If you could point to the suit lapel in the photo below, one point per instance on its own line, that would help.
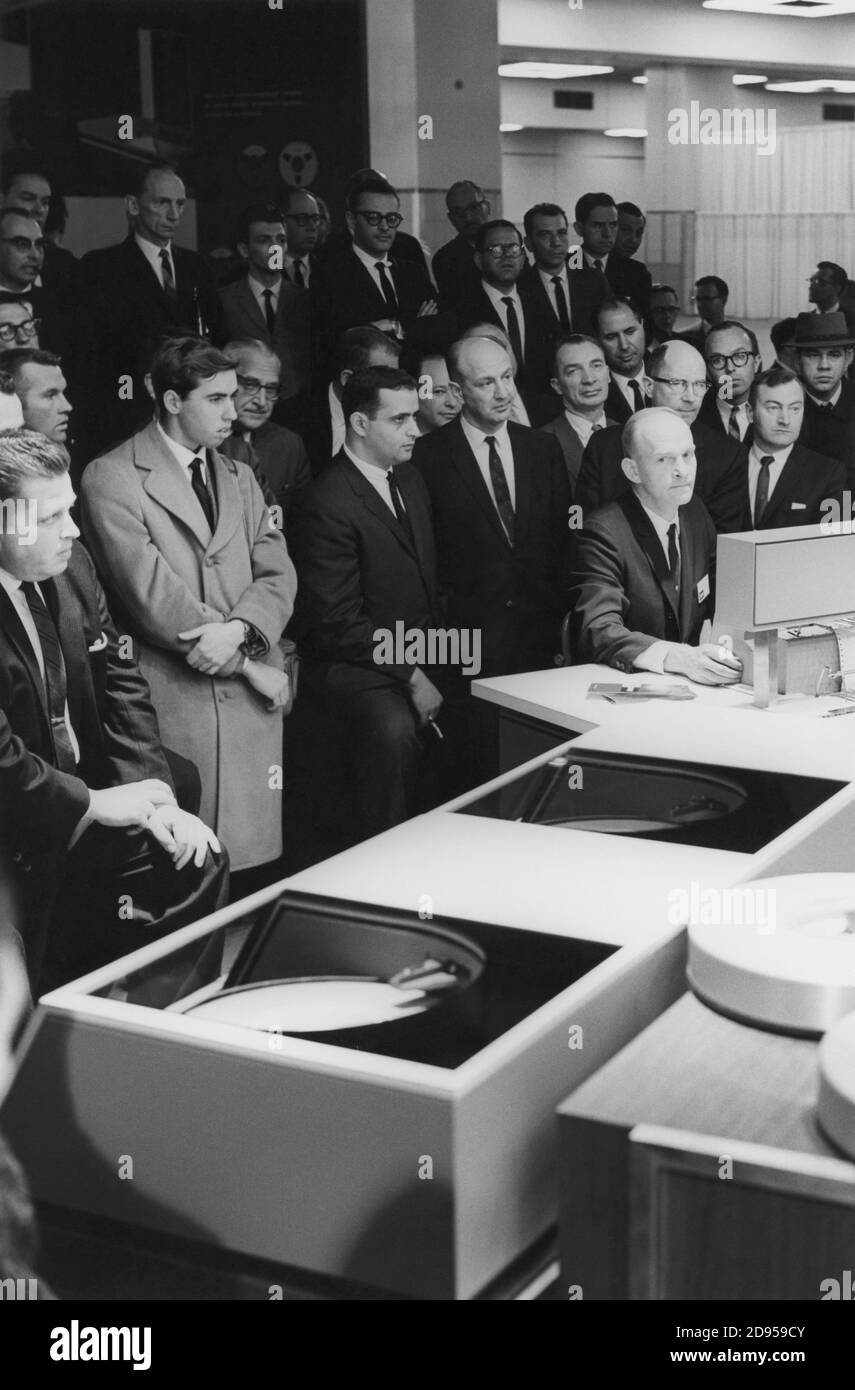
(522, 480)
(687, 575)
(786, 487)
(65, 611)
(650, 543)
(16, 634)
(164, 482)
(230, 512)
(375, 504)
(467, 466)
(251, 306)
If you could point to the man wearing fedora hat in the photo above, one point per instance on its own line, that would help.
(824, 349)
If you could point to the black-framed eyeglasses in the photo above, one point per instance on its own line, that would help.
(23, 243)
(28, 329)
(376, 219)
(719, 360)
(254, 387)
(679, 383)
(499, 252)
(304, 219)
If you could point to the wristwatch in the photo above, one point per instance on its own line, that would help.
(253, 644)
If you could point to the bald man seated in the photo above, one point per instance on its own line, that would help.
(643, 582)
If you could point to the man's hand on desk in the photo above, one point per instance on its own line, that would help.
(708, 664)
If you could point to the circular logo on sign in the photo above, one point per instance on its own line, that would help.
(298, 164)
(255, 166)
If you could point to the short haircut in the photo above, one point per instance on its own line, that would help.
(656, 360)
(362, 390)
(370, 185)
(139, 176)
(781, 333)
(838, 276)
(355, 346)
(632, 209)
(542, 210)
(17, 212)
(257, 212)
(8, 297)
(588, 201)
(413, 358)
(26, 454)
(237, 348)
(574, 340)
(17, 163)
(733, 323)
(16, 358)
(616, 302)
(454, 353)
(773, 376)
(718, 284)
(180, 364)
(659, 288)
(490, 227)
(464, 183)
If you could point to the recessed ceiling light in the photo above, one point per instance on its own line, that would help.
(641, 81)
(627, 132)
(815, 84)
(742, 79)
(786, 9)
(507, 126)
(552, 71)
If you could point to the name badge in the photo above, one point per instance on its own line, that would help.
(703, 588)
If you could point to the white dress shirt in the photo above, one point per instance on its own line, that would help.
(152, 255)
(184, 457)
(724, 408)
(476, 439)
(755, 454)
(375, 475)
(653, 659)
(22, 608)
(832, 400)
(622, 383)
(259, 290)
(370, 263)
(583, 427)
(495, 297)
(547, 276)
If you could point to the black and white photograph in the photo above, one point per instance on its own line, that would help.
(427, 630)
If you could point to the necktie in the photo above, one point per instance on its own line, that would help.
(674, 556)
(269, 311)
(168, 277)
(387, 288)
(597, 427)
(501, 492)
(298, 276)
(514, 329)
(733, 423)
(637, 393)
(762, 495)
(398, 503)
(202, 491)
(561, 303)
(55, 680)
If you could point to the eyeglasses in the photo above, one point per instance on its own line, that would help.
(304, 219)
(499, 252)
(719, 360)
(679, 383)
(250, 384)
(23, 244)
(704, 298)
(375, 219)
(28, 329)
(482, 205)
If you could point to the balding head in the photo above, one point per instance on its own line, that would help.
(680, 362)
(496, 335)
(659, 460)
(484, 374)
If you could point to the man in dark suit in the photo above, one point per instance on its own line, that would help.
(662, 315)
(644, 566)
(264, 304)
(627, 276)
(363, 283)
(523, 315)
(454, 268)
(596, 225)
(787, 484)
(619, 327)
(27, 187)
(827, 291)
(732, 355)
(582, 381)
(356, 349)
(678, 382)
(365, 555)
(710, 300)
(80, 752)
(303, 224)
(570, 296)
(824, 344)
(138, 291)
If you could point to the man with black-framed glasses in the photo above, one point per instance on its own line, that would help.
(18, 327)
(453, 264)
(732, 355)
(530, 327)
(303, 224)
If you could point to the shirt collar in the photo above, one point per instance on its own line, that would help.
(581, 424)
(475, 435)
(496, 296)
(660, 525)
(832, 400)
(152, 252)
(363, 464)
(779, 455)
(180, 452)
(9, 582)
(370, 262)
(258, 289)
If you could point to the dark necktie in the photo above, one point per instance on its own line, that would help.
(269, 311)
(514, 329)
(202, 491)
(398, 503)
(601, 270)
(762, 494)
(674, 556)
(561, 303)
(501, 492)
(637, 393)
(597, 427)
(55, 680)
(298, 276)
(168, 277)
(733, 423)
(387, 288)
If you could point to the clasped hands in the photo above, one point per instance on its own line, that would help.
(150, 805)
(216, 653)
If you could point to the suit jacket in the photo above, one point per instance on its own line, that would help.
(113, 719)
(292, 329)
(516, 594)
(346, 295)
(455, 272)
(165, 573)
(720, 481)
(807, 481)
(617, 406)
(278, 458)
(586, 295)
(623, 598)
(571, 445)
(629, 279)
(829, 432)
(709, 416)
(361, 571)
(130, 310)
(540, 330)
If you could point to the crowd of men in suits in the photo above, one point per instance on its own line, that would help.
(342, 439)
